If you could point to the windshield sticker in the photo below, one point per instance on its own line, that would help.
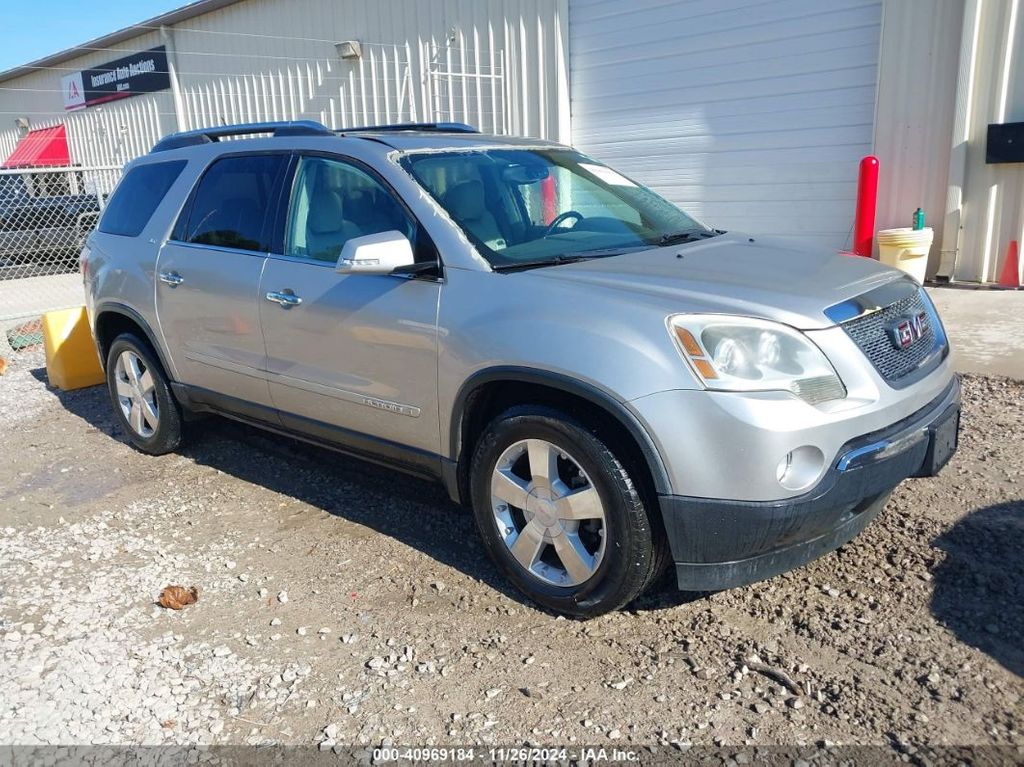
(607, 175)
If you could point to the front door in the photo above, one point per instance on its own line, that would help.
(208, 278)
(354, 356)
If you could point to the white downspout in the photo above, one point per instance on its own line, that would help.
(172, 72)
(563, 64)
(951, 224)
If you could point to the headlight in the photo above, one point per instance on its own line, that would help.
(745, 354)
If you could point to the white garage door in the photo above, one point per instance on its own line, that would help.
(751, 115)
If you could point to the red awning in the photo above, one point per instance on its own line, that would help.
(43, 148)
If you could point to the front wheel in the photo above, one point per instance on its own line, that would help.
(560, 514)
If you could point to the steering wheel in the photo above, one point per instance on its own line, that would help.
(560, 218)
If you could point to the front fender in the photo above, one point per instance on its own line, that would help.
(596, 344)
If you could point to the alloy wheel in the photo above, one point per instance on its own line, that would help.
(548, 513)
(136, 394)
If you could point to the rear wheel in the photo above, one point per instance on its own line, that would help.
(141, 396)
(560, 514)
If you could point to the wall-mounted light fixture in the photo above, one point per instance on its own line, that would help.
(349, 49)
(23, 125)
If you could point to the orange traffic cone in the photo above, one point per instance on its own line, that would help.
(1010, 276)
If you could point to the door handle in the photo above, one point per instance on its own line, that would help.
(171, 278)
(285, 298)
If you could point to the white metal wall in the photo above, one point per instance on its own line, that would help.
(993, 195)
(276, 60)
(751, 115)
(914, 118)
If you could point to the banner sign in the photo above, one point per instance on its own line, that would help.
(142, 72)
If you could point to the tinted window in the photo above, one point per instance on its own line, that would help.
(233, 205)
(136, 197)
(334, 201)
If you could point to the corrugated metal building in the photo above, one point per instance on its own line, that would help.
(499, 64)
(754, 115)
(751, 115)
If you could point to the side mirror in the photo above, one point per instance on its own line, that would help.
(380, 253)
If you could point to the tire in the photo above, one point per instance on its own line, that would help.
(157, 428)
(522, 518)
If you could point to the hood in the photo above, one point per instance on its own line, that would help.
(735, 274)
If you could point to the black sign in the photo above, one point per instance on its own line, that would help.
(143, 72)
(1005, 143)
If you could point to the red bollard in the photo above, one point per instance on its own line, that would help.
(549, 202)
(867, 201)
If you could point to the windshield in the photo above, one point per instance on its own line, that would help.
(539, 206)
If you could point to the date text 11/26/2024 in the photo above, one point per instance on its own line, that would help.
(493, 754)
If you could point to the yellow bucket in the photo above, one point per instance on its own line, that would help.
(71, 358)
(906, 249)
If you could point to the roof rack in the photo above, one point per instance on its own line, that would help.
(210, 135)
(430, 127)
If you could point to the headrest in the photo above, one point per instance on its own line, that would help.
(325, 211)
(465, 201)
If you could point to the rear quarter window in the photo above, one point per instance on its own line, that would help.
(132, 204)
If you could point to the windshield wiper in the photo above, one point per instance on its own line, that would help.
(556, 261)
(686, 235)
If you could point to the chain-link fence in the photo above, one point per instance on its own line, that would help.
(45, 216)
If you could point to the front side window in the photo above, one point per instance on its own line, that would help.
(233, 206)
(538, 206)
(334, 201)
(136, 197)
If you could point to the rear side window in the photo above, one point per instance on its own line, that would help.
(132, 204)
(233, 206)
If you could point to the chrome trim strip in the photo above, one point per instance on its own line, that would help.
(874, 451)
(389, 406)
(883, 448)
(217, 248)
(856, 453)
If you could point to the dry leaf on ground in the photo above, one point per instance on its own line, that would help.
(176, 597)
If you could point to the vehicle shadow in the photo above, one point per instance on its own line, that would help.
(979, 587)
(416, 512)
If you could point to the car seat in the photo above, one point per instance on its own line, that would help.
(466, 203)
(327, 231)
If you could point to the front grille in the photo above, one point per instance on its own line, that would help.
(871, 333)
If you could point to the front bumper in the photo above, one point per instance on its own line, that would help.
(719, 544)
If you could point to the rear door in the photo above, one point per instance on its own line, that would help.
(208, 277)
(351, 354)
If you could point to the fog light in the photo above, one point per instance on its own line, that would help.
(799, 468)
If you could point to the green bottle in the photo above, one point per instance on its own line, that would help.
(918, 219)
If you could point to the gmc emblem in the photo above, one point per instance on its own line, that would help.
(907, 330)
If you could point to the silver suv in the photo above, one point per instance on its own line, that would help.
(609, 384)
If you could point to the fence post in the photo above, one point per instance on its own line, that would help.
(172, 73)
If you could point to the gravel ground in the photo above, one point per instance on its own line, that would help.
(340, 603)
